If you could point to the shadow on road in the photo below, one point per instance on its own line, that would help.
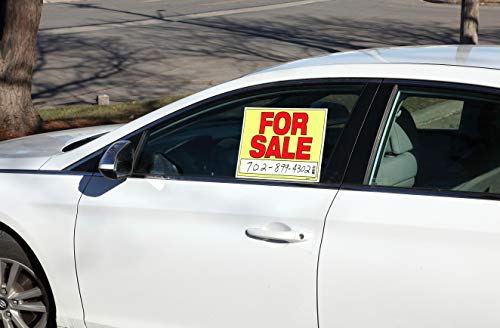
(186, 56)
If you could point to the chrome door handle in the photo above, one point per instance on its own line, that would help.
(276, 232)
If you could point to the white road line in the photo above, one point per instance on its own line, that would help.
(59, 1)
(146, 22)
(225, 2)
(252, 9)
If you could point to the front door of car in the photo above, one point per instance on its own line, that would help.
(170, 246)
(413, 237)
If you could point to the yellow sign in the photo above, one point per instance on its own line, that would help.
(282, 144)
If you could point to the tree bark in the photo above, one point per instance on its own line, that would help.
(469, 25)
(19, 21)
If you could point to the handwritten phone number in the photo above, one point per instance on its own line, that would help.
(282, 168)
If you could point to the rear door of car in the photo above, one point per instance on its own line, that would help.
(183, 243)
(413, 236)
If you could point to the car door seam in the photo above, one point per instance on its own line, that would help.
(319, 256)
(74, 248)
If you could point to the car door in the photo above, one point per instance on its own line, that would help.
(413, 236)
(183, 243)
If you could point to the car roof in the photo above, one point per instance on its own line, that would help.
(450, 55)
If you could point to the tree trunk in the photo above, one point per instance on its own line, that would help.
(19, 21)
(469, 24)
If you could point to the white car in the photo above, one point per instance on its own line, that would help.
(385, 214)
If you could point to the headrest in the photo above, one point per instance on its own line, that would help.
(399, 142)
(337, 113)
(489, 123)
(469, 121)
(406, 121)
(225, 157)
(480, 120)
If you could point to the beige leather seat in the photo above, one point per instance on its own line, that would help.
(398, 167)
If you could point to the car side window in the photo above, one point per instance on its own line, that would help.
(205, 142)
(441, 140)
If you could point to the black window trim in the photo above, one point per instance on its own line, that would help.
(358, 173)
(370, 91)
(380, 133)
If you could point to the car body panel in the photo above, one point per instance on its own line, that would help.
(30, 153)
(460, 55)
(41, 209)
(173, 253)
(403, 260)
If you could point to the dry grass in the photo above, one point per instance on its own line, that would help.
(84, 115)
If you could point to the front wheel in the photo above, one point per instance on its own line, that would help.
(24, 297)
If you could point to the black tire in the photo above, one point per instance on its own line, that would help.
(10, 249)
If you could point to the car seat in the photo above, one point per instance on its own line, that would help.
(224, 158)
(398, 166)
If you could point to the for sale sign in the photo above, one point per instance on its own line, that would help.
(282, 144)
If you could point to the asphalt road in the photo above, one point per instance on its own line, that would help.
(135, 49)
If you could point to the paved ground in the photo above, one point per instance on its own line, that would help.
(135, 49)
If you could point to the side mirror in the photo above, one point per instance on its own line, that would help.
(117, 162)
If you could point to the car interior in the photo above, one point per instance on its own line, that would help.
(463, 159)
(208, 146)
